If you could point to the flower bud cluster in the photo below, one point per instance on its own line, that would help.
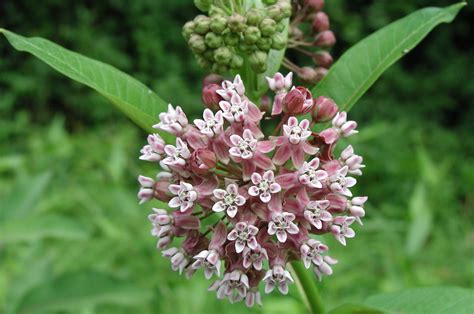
(315, 43)
(221, 41)
(244, 205)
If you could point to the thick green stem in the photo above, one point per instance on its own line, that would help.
(306, 284)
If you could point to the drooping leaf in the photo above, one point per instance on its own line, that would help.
(133, 98)
(87, 289)
(426, 300)
(37, 227)
(355, 72)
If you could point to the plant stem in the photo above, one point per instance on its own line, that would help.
(307, 287)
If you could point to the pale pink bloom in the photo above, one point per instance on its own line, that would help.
(264, 186)
(340, 128)
(325, 267)
(352, 161)
(309, 174)
(281, 224)
(254, 257)
(311, 252)
(230, 200)
(230, 88)
(212, 124)
(341, 228)
(209, 261)
(280, 83)
(178, 259)
(234, 286)
(293, 143)
(162, 223)
(174, 121)
(146, 191)
(176, 156)
(160, 217)
(154, 150)
(355, 207)
(244, 235)
(277, 277)
(316, 213)
(185, 196)
(243, 147)
(253, 296)
(339, 183)
(236, 109)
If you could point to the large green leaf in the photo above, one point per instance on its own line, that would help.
(133, 98)
(353, 74)
(73, 292)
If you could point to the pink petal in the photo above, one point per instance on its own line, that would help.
(297, 156)
(282, 154)
(281, 236)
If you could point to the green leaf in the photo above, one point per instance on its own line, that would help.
(426, 300)
(354, 73)
(36, 227)
(72, 292)
(133, 98)
(352, 308)
(421, 220)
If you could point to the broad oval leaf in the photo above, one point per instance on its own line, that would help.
(133, 98)
(353, 74)
(426, 300)
(76, 291)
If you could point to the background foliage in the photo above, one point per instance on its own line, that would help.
(69, 218)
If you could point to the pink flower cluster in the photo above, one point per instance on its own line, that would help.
(245, 204)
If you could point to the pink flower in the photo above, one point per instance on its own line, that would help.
(253, 296)
(310, 176)
(254, 257)
(244, 235)
(178, 259)
(277, 277)
(230, 200)
(173, 121)
(212, 124)
(355, 207)
(185, 196)
(234, 286)
(243, 147)
(340, 128)
(311, 252)
(210, 261)
(146, 190)
(341, 230)
(176, 156)
(264, 186)
(280, 83)
(316, 213)
(352, 161)
(325, 267)
(236, 109)
(298, 101)
(230, 88)
(154, 150)
(281, 224)
(339, 183)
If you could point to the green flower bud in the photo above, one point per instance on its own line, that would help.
(251, 35)
(203, 5)
(196, 43)
(188, 29)
(286, 8)
(248, 48)
(214, 10)
(258, 61)
(269, 2)
(223, 55)
(203, 62)
(254, 16)
(264, 43)
(236, 23)
(218, 24)
(279, 41)
(202, 25)
(213, 40)
(267, 27)
(274, 12)
(236, 62)
(219, 68)
(280, 27)
(209, 55)
(231, 39)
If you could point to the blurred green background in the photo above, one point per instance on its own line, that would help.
(72, 235)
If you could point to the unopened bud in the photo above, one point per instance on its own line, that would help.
(265, 103)
(269, 2)
(236, 62)
(324, 109)
(308, 75)
(258, 61)
(278, 41)
(222, 55)
(210, 97)
(299, 100)
(196, 43)
(323, 59)
(231, 39)
(202, 160)
(203, 62)
(202, 25)
(188, 29)
(325, 39)
(264, 43)
(286, 8)
(320, 22)
(254, 16)
(320, 73)
(315, 5)
(296, 33)
(267, 27)
(275, 12)
(219, 68)
(251, 35)
(213, 40)
(215, 10)
(236, 23)
(218, 24)
(212, 79)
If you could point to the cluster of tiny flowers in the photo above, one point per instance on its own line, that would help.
(244, 204)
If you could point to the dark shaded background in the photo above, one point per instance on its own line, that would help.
(64, 152)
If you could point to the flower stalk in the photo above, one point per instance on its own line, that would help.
(307, 288)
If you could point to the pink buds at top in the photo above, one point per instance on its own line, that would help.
(324, 109)
(174, 121)
(210, 97)
(323, 59)
(280, 83)
(264, 186)
(325, 39)
(281, 224)
(320, 22)
(277, 277)
(298, 101)
(229, 200)
(316, 5)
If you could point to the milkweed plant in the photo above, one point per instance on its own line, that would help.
(247, 190)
